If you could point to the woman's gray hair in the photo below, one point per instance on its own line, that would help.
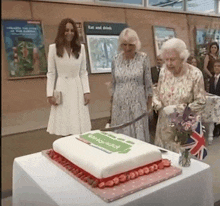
(130, 36)
(177, 44)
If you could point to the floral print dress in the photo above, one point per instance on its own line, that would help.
(132, 85)
(175, 92)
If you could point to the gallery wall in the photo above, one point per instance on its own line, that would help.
(24, 105)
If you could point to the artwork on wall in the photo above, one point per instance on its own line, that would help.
(102, 49)
(102, 44)
(24, 46)
(162, 34)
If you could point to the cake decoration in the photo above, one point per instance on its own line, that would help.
(111, 165)
(108, 142)
(110, 181)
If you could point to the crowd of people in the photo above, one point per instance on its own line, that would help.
(137, 87)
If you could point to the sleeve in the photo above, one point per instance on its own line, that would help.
(147, 77)
(113, 76)
(211, 86)
(199, 94)
(83, 72)
(113, 88)
(156, 102)
(51, 73)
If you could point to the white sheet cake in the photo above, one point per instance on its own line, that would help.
(104, 154)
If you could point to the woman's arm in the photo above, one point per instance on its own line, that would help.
(83, 72)
(84, 77)
(113, 83)
(199, 94)
(148, 82)
(113, 77)
(206, 61)
(51, 73)
(156, 102)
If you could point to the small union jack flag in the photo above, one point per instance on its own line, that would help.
(196, 143)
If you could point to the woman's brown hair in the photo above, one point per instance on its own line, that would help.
(60, 39)
(216, 44)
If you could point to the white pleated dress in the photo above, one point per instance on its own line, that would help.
(68, 75)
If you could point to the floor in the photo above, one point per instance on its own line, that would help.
(31, 142)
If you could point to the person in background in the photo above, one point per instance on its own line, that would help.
(67, 73)
(131, 86)
(155, 71)
(215, 89)
(193, 61)
(179, 84)
(213, 54)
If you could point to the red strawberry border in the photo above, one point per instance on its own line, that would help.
(108, 193)
(110, 181)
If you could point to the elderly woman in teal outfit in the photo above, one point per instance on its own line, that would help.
(179, 83)
(132, 86)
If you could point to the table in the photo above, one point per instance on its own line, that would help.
(38, 182)
(211, 114)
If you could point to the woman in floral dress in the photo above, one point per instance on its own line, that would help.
(132, 86)
(179, 83)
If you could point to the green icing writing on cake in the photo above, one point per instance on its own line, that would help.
(121, 139)
(130, 142)
(109, 135)
(107, 142)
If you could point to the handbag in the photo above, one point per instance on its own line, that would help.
(58, 96)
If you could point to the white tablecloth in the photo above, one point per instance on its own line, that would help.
(38, 182)
(212, 109)
(211, 115)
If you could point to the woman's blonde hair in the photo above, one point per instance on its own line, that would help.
(177, 44)
(130, 36)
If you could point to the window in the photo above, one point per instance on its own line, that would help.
(172, 4)
(218, 6)
(205, 6)
(202, 6)
(136, 2)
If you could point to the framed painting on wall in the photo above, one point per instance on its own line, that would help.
(102, 44)
(102, 49)
(162, 34)
(24, 46)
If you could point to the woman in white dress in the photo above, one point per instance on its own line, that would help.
(67, 73)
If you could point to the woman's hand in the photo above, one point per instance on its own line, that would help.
(87, 98)
(52, 100)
